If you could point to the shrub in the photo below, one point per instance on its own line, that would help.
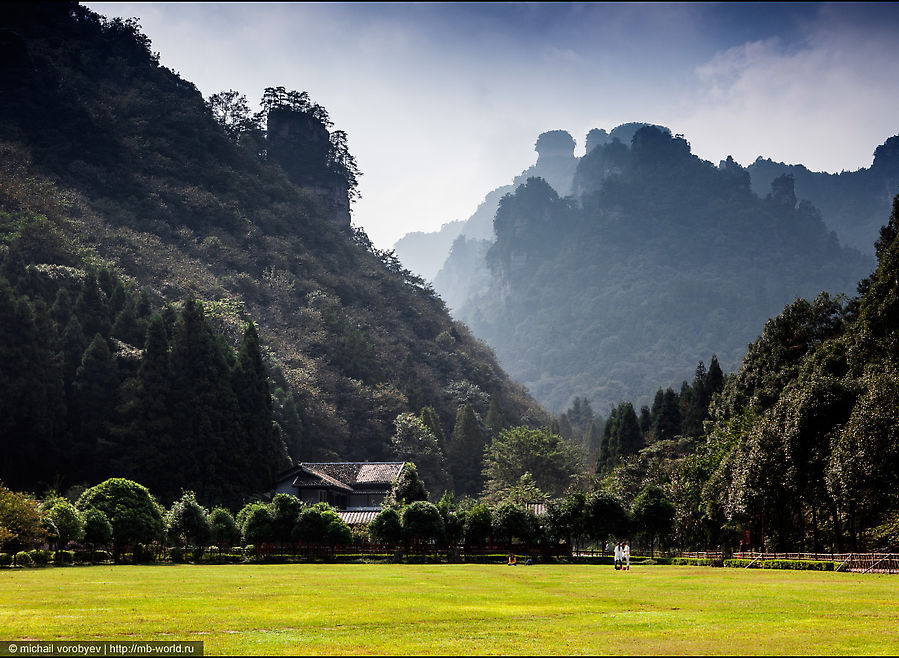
(257, 523)
(223, 528)
(799, 565)
(691, 561)
(20, 520)
(97, 529)
(143, 554)
(23, 559)
(386, 528)
(68, 521)
(5, 559)
(41, 558)
(187, 522)
(176, 554)
(64, 557)
(102, 556)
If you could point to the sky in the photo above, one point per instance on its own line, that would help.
(443, 102)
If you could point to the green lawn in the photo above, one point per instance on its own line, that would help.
(457, 609)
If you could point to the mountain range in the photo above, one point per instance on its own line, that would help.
(649, 259)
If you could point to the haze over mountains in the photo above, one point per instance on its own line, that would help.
(649, 260)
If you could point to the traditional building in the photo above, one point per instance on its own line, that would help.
(355, 489)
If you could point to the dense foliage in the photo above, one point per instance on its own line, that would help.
(125, 195)
(852, 203)
(801, 450)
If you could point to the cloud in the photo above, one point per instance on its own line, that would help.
(826, 100)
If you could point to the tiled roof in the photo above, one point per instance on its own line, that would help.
(378, 472)
(356, 473)
(311, 477)
(353, 518)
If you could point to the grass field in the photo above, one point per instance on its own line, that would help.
(317, 609)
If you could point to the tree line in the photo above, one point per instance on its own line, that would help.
(800, 450)
(123, 517)
(78, 402)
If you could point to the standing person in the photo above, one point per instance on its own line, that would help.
(618, 556)
(626, 556)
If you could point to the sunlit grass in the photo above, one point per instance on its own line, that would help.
(457, 609)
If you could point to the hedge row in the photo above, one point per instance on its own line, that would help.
(41, 558)
(799, 565)
(688, 561)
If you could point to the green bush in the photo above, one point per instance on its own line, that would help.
(176, 554)
(64, 557)
(102, 556)
(40, 558)
(23, 559)
(797, 565)
(5, 559)
(143, 554)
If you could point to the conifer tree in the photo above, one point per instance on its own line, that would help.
(31, 399)
(496, 419)
(91, 308)
(204, 411)
(153, 450)
(666, 415)
(715, 377)
(96, 392)
(466, 453)
(432, 421)
(259, 440)
(630, 439)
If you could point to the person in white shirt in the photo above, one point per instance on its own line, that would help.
(626, 557)
(618, 556)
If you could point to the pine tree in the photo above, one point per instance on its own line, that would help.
(152, 450)
(666, 415)
(714, 378)
(259, 441)
(32, 405)
(496, 419)
(630, 438)
(466, 453)
(91, 308)
(608, 444)
(96, 392)
(432, 421)
(204, 412)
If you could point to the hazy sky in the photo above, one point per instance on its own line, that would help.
(443, 102)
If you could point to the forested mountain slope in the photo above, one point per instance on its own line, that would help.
(662, 260)
(852, 203)
(125, 192)
(427, 253)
